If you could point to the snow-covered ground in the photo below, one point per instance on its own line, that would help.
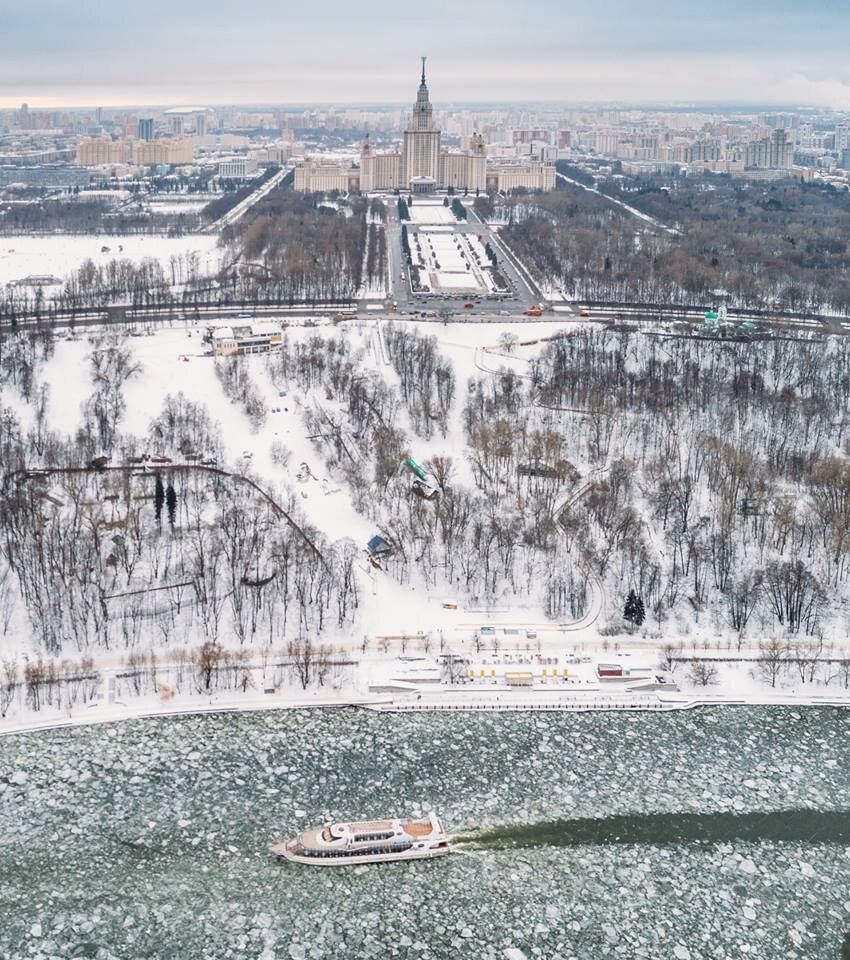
(396, 619)
(176, 206)
(426, 213)
(388, 608)
(61, 255)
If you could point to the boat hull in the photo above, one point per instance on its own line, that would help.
(282, 853)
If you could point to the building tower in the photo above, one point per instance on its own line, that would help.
(421, 153)
(477, 177)
(367, 166)
(423, 113)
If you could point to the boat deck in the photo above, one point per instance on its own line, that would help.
(415, 829)
(371, 826)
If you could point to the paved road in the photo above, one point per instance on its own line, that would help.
(244, 205)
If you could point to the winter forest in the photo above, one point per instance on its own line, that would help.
(704, 482)
(781, 246)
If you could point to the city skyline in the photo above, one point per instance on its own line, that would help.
(54, 56)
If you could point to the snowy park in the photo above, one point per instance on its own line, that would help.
(60, 256)
(362, 494)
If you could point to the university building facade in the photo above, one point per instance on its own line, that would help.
(422, 166)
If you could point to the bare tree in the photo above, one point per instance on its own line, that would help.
(35, 677)
(206, 662)
(302, 657)
(742, 598)
(772, 659)
(8, 684)
(669, 652)
(702, 673)
(453, 668)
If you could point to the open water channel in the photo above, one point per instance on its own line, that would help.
(720, 833)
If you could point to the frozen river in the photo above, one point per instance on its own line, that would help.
(713, 834)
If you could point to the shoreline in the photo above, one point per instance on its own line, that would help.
(625, 702)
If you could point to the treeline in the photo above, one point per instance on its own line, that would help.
(144, 283)
(235, 379)
(782, 245)
(233, 195)
(89, 217)
(376, 256)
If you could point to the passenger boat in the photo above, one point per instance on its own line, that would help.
(368, 841)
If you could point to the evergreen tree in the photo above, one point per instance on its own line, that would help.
(630, 609)
(634, 612)
(158, 498)
(640, 612)
(171, 504)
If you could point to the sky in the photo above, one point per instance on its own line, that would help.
(171, 52)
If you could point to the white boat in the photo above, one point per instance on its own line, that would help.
(368, 841)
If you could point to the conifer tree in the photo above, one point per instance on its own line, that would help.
(630, 609)
(171, 504)
(158, 498)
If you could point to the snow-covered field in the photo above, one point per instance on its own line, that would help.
(426, 213)
(177, 206)
(61, 255)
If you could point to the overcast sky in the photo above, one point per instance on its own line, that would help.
(90, 52)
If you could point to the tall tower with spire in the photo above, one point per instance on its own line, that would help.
(420, 161)
(423, 114)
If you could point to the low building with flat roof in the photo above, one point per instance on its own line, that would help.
(259, 336)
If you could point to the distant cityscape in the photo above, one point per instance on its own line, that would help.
(364, 147)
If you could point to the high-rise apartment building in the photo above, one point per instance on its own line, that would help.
(146, 128)
(101, 151)
(775, 152)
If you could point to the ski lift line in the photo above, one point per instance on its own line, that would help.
(337, 431)
(133, 593)
(179, 468)
(528, 376)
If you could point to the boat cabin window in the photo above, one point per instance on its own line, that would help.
(327, 836)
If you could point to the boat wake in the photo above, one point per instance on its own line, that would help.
(776, 826)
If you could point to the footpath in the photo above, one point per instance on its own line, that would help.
(440, 699)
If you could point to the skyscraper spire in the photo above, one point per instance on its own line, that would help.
(423, 70)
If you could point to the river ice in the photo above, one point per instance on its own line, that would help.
(148, 838)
